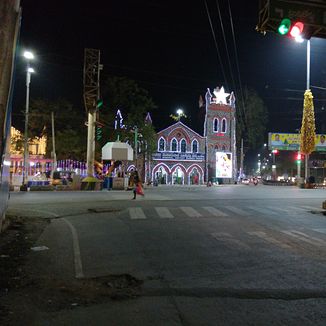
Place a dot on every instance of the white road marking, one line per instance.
(322, 230)
(237, 210)
(163, 212)
(229, 240)
(77, 256)
(279, 209)
(190, 212)
(311, 208)
(214, 211)
(136, 213)
(266, 210)
(320, 241)
(304, 237)
(297, 208)
(264, 236)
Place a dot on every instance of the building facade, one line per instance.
(185, 157)
(180, 156)
(220, 133)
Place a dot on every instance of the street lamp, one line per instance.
(179, 113)
(299, 39)
(28, 56)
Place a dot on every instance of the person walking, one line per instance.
(137, 189)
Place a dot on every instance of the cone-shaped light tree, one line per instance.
(308, 128)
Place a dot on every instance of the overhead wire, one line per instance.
(242, 114)
(216, 46)
(225, 44)
(242, 105)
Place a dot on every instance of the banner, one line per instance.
(223, 165)
(291, 142)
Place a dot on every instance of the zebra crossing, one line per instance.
(285, 239)
(141, 213)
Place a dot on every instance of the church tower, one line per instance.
(220, 133)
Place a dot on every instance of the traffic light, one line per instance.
(294, 29)
(284, 27)
(275, 151)
(98, 132)
(99, 104)
(299, 158)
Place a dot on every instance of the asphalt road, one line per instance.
(225, 255)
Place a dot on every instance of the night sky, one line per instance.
(168, 48)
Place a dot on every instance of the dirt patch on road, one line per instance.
(23, 296)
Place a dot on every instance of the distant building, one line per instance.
(180, 156)
(36, 154)
(185, 157)
(220, 132)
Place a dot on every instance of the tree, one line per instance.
(126, 95)
(70, 131)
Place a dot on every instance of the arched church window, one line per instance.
(223, 125)
(223, 148)
(174, 145)
(215, 125)
(216, 147)
(183, 146)
(161, 145)
(195, 146)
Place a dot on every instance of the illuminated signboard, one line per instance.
(177, 156)
(291, 142)
(223, 165)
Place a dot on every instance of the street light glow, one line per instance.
(31, 70)
(179, 112)
(28, 55)
(299, 39)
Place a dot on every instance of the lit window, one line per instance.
(215, 125)
(161, 145)
(183, 146)
(195, 146)
(223, 125)
(174, 145)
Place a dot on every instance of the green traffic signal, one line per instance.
(99, 104)
(98, 133)
(284, 27)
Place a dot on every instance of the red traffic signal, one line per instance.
(296, 29)
(299, 157)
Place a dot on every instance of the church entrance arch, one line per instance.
(195, 174)
(160, 174)
(178, 175)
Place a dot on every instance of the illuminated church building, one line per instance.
(185, 157)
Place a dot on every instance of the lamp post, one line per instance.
(28, 56)
(274, 151)
(179, 113)
(299, 39)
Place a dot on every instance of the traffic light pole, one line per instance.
(306, 172)
(91, 143)
(92, 69)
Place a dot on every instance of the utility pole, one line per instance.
(241, 159)
(92, 69)
(306, 170)
(54, 167)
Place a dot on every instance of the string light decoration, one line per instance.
(308, 128)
